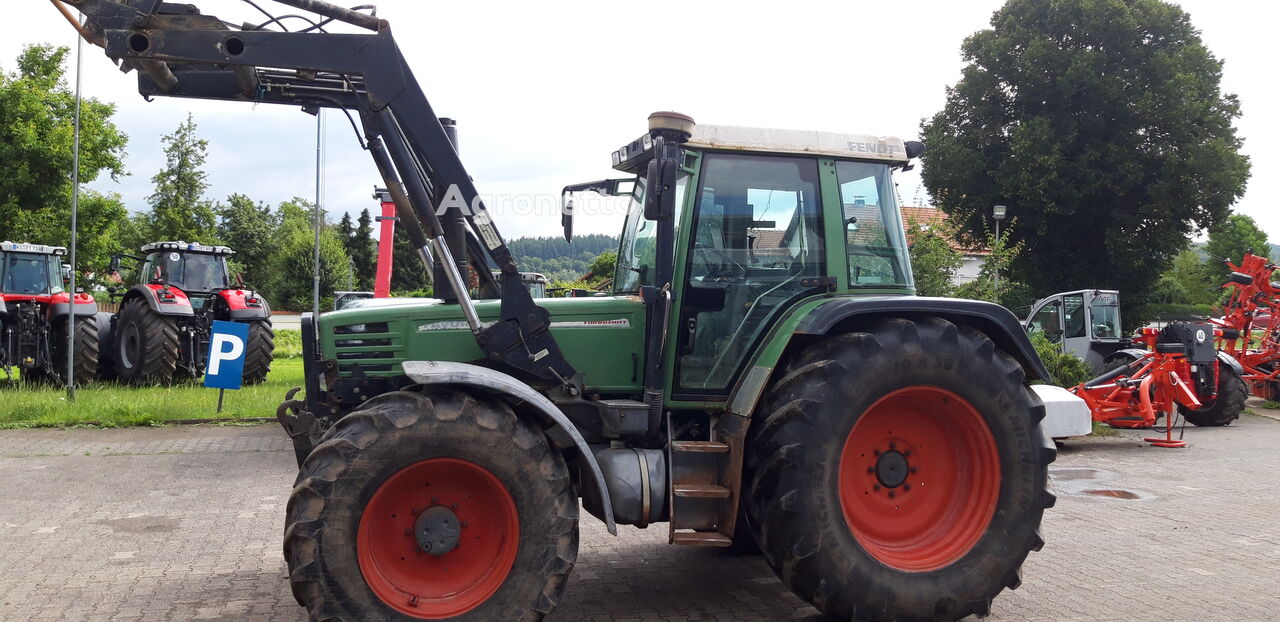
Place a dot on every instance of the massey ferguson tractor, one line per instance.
(161, 333)
(762, 371)
(36, 312)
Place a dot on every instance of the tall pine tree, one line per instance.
(179, 210)
(363, 250)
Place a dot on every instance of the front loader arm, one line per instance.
(182, 53)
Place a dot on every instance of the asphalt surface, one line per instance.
(185, 523)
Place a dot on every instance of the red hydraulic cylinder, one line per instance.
(386, 238)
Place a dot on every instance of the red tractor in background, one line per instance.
(161, 333)
(36, 312)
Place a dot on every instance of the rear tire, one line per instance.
(146, 345)
(1232, 393)
(106, 343)
(258, 352)
(348, 539)
(86, 352)
(850, 421)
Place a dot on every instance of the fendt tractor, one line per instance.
(35, 313)
(161, 333)
(761, 372)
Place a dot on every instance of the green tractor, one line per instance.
(761, 374)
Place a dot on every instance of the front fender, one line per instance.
(995, 321)
(504, 386)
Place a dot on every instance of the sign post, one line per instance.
(225, 363)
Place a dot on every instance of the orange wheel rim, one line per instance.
(919, 478)
(431, 586)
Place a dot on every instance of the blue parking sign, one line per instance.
(224, 368)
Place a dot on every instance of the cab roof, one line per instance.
(187, 246)
(22, 247)
(803, 142)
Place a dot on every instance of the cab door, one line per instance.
(1046, 320)
(1075, 326)
(754, 247)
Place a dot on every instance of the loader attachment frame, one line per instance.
(179, 52)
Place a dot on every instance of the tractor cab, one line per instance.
(35, 315)
(30, 271)
(1085, 323)
(193, 268)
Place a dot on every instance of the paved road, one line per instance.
(185, 523)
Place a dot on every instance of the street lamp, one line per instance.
(998, 213)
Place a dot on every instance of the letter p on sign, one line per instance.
(225, 367)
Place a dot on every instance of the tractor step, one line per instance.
(699, 538)
(710, 447)
(700, 491)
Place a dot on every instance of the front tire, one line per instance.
(351, 533)
(146, 345)
(1232, 393)
(899, 473)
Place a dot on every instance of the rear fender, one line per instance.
(84, 306)
(526, 401)
(243, 304)
(1230, 361)
(836, 315)
(180, 306)
(995, 321)
(1129, 353)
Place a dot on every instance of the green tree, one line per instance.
(407, 272)
(287, 283)
(995, 282)
(1228, 241)
(933, 261)
(345, 228)
(1102, 126)
(601, 268)
(363, 250)
(37, 112)
(179, 210)
(249, 229)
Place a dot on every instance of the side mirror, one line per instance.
(115, 264)
(66, 273)
(566, 216)
(660, 194)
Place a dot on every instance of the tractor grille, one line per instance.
(376, 348)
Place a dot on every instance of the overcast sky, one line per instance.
(544, 92)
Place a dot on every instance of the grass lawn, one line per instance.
(109, 404)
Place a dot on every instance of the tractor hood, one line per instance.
(596, 335)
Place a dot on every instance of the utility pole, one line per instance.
(998, 213)
(75, 207)
(315, 275)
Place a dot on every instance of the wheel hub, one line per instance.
(437, 530)
(892, 468)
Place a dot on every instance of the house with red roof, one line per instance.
(932, 218)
